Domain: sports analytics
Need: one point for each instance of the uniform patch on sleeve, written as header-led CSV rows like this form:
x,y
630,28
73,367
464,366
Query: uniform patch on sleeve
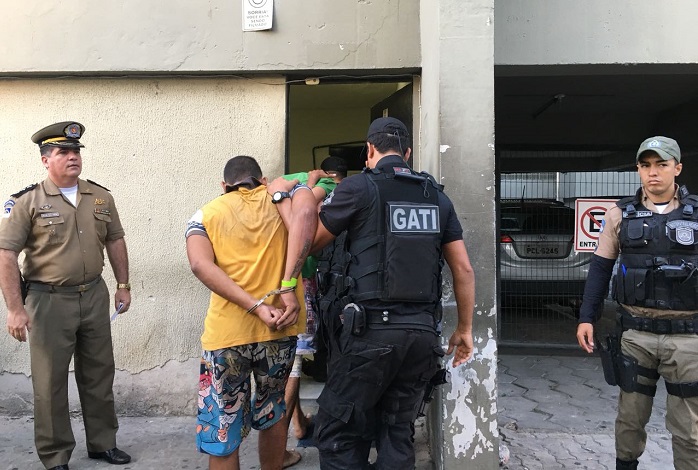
x,y
195,225
8,208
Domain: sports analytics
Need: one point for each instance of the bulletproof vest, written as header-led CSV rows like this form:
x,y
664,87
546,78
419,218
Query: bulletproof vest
x,y
658,265
331,267
402,261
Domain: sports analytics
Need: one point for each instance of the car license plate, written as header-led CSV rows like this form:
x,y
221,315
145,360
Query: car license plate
x,y
542,251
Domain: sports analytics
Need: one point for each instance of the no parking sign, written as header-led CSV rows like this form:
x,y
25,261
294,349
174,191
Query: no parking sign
x,y
588,216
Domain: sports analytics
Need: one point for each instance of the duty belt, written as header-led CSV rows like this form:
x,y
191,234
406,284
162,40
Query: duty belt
x,y
397,320
41,287
660,326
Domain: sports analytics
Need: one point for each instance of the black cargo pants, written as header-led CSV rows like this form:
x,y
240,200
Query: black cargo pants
x,y
373,392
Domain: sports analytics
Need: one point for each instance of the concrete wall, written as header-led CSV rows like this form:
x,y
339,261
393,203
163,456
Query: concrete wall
x,y
457,143
123,36
537,32
160,146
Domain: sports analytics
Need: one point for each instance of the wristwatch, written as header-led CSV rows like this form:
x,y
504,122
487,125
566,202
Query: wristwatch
x,y
125,285
279,196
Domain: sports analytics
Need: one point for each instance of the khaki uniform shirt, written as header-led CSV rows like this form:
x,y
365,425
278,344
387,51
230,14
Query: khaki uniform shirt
x,y
609,247
63,244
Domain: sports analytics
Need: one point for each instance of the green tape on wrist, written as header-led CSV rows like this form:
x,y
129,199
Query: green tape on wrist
x,y
293,282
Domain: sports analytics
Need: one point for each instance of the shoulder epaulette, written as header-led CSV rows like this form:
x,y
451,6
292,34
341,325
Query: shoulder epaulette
x,y
25,190
97,184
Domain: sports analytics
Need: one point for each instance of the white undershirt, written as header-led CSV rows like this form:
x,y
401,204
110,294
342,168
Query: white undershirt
x,y
71,193
660,207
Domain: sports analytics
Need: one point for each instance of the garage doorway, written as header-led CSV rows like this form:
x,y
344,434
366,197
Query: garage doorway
x,y
541,275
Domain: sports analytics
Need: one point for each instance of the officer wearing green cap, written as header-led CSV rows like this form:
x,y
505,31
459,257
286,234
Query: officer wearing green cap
x,y
654,237
59,301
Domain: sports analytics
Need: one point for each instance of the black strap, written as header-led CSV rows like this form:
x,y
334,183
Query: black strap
x,y
389,320
682,390
660,326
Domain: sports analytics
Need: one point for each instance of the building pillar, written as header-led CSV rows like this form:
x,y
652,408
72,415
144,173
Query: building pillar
x,y
457,146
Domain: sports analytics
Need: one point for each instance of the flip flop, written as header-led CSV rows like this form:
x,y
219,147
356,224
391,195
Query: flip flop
x,y
291,458
308,439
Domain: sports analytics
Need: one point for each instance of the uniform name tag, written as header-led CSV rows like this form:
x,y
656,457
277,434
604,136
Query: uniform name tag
x,y
638,214
414,218
48,215
102,211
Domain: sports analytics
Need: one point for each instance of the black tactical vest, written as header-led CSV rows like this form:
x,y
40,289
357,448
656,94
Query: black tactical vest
x,y
658,265
331,267
402,262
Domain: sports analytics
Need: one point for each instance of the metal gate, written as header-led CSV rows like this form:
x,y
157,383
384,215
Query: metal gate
x,y
541,276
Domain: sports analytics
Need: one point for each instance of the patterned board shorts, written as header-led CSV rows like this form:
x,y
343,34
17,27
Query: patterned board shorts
x,y
226,410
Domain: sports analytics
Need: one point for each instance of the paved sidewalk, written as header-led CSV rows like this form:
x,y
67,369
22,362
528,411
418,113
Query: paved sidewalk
x,y
555,412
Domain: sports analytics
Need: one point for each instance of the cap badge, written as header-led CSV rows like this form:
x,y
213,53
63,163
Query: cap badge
x,y
654,143
72,131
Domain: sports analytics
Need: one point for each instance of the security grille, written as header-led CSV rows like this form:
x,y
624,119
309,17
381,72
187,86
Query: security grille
x,y
541,276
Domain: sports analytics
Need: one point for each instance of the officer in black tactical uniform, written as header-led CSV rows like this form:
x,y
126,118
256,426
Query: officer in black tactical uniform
x,y
656,285
400,227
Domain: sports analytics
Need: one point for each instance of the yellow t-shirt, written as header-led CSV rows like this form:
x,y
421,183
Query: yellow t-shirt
x,y
249,242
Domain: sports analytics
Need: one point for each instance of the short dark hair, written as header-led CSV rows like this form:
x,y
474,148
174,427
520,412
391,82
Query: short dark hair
x,y
241,167
336,165
389,134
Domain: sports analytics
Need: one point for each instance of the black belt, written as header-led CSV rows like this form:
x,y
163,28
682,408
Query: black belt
x,y
41,287
660,326
397,320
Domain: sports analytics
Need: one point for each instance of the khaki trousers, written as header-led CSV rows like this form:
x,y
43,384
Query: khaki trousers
x,y
64,325
675,357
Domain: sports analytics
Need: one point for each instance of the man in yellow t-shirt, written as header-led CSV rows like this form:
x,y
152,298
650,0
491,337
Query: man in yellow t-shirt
x,y
240,249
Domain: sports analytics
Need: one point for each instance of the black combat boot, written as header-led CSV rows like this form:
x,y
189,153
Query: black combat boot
x,y
626,464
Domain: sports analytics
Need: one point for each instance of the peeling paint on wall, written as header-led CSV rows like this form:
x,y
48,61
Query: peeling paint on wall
x,y
468,420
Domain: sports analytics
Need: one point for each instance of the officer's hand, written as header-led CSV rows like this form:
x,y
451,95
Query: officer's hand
x,y
281,184
291,310
122,296
315,175
462,342
269,315
585,336
18,324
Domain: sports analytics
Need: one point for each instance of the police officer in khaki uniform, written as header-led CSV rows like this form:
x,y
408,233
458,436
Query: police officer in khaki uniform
x,y
63,225
655,233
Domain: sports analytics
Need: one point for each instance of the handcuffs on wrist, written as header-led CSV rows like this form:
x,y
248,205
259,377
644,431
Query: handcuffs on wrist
x,y
281,290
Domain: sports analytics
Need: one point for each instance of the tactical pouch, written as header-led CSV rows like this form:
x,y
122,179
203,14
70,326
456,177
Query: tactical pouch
x,y
628,370
608,350
354,318
627,377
